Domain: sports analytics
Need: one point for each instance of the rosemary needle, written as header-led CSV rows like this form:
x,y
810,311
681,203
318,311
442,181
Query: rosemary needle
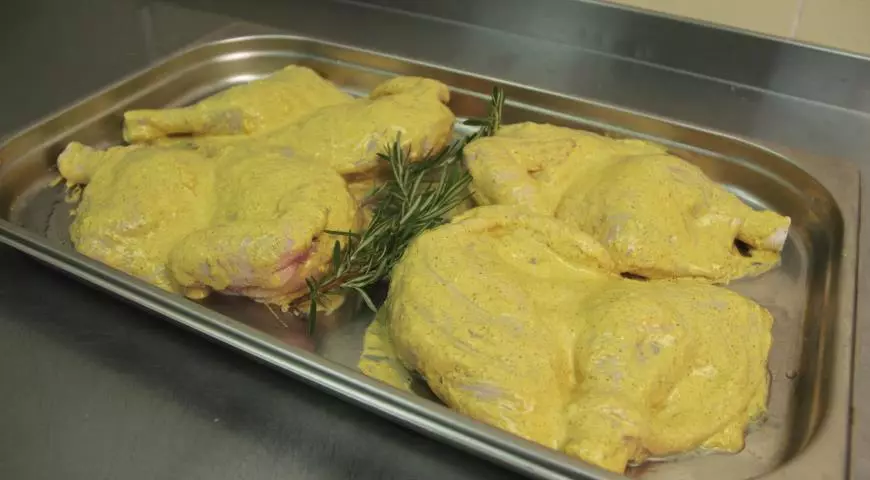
x,y
417,198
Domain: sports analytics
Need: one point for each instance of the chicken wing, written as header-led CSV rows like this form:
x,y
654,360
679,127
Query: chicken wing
x,y
659,216
245,109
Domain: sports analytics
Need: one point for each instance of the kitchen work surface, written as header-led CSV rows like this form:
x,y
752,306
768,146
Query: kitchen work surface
x,y
219,420
811,295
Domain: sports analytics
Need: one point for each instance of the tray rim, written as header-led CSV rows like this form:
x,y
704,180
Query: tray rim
x,y
421,415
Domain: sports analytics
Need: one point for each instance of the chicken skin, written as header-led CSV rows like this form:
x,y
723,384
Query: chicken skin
x,y
138,204
658,216
520,320
258,106
246,222
267,233
241,206
347,137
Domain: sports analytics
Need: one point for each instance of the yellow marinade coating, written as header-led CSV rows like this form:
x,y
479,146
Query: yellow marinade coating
x,y
268,167
519,320
348,137
658,215
379,359
138,204
245,222
266,235
244,109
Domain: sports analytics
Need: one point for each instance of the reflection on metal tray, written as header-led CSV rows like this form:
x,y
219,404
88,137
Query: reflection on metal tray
x,y
811,295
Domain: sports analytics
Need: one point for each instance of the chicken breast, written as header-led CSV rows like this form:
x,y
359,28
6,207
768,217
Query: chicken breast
x,y
521,321
658,215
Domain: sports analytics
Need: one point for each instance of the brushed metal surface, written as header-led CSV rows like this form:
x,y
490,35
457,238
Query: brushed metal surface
x,y
726,55
73,416
48,47
811,295
745,107
94,388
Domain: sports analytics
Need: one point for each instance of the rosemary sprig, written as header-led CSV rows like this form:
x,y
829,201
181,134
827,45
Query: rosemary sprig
x,y
492,122
417,197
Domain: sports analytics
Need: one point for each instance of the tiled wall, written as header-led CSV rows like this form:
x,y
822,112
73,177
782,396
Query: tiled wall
x,y
841,24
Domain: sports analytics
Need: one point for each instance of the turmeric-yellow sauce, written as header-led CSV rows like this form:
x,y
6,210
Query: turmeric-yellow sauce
x,y
516,313
245,222
658,215
519,320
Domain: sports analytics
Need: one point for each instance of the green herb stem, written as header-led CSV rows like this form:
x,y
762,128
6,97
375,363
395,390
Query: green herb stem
x,y
417,198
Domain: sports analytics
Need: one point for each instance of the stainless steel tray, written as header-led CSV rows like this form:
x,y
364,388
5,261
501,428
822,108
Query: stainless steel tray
x,y
811,295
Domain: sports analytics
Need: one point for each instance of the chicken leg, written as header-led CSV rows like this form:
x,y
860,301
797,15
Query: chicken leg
x,y
246,222
267,232
138,203
245,109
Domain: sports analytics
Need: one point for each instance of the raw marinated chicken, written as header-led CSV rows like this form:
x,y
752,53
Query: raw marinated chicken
x,y
658,215
521,321
244,222
253,107
138,204
267,232
240,206
347,137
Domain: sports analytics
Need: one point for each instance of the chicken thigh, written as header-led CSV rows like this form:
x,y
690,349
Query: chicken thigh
x,y
519,320
138,204
658,215
245,109
246,222
267,234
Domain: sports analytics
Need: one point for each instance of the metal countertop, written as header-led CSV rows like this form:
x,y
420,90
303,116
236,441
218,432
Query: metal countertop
x,y
94,388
